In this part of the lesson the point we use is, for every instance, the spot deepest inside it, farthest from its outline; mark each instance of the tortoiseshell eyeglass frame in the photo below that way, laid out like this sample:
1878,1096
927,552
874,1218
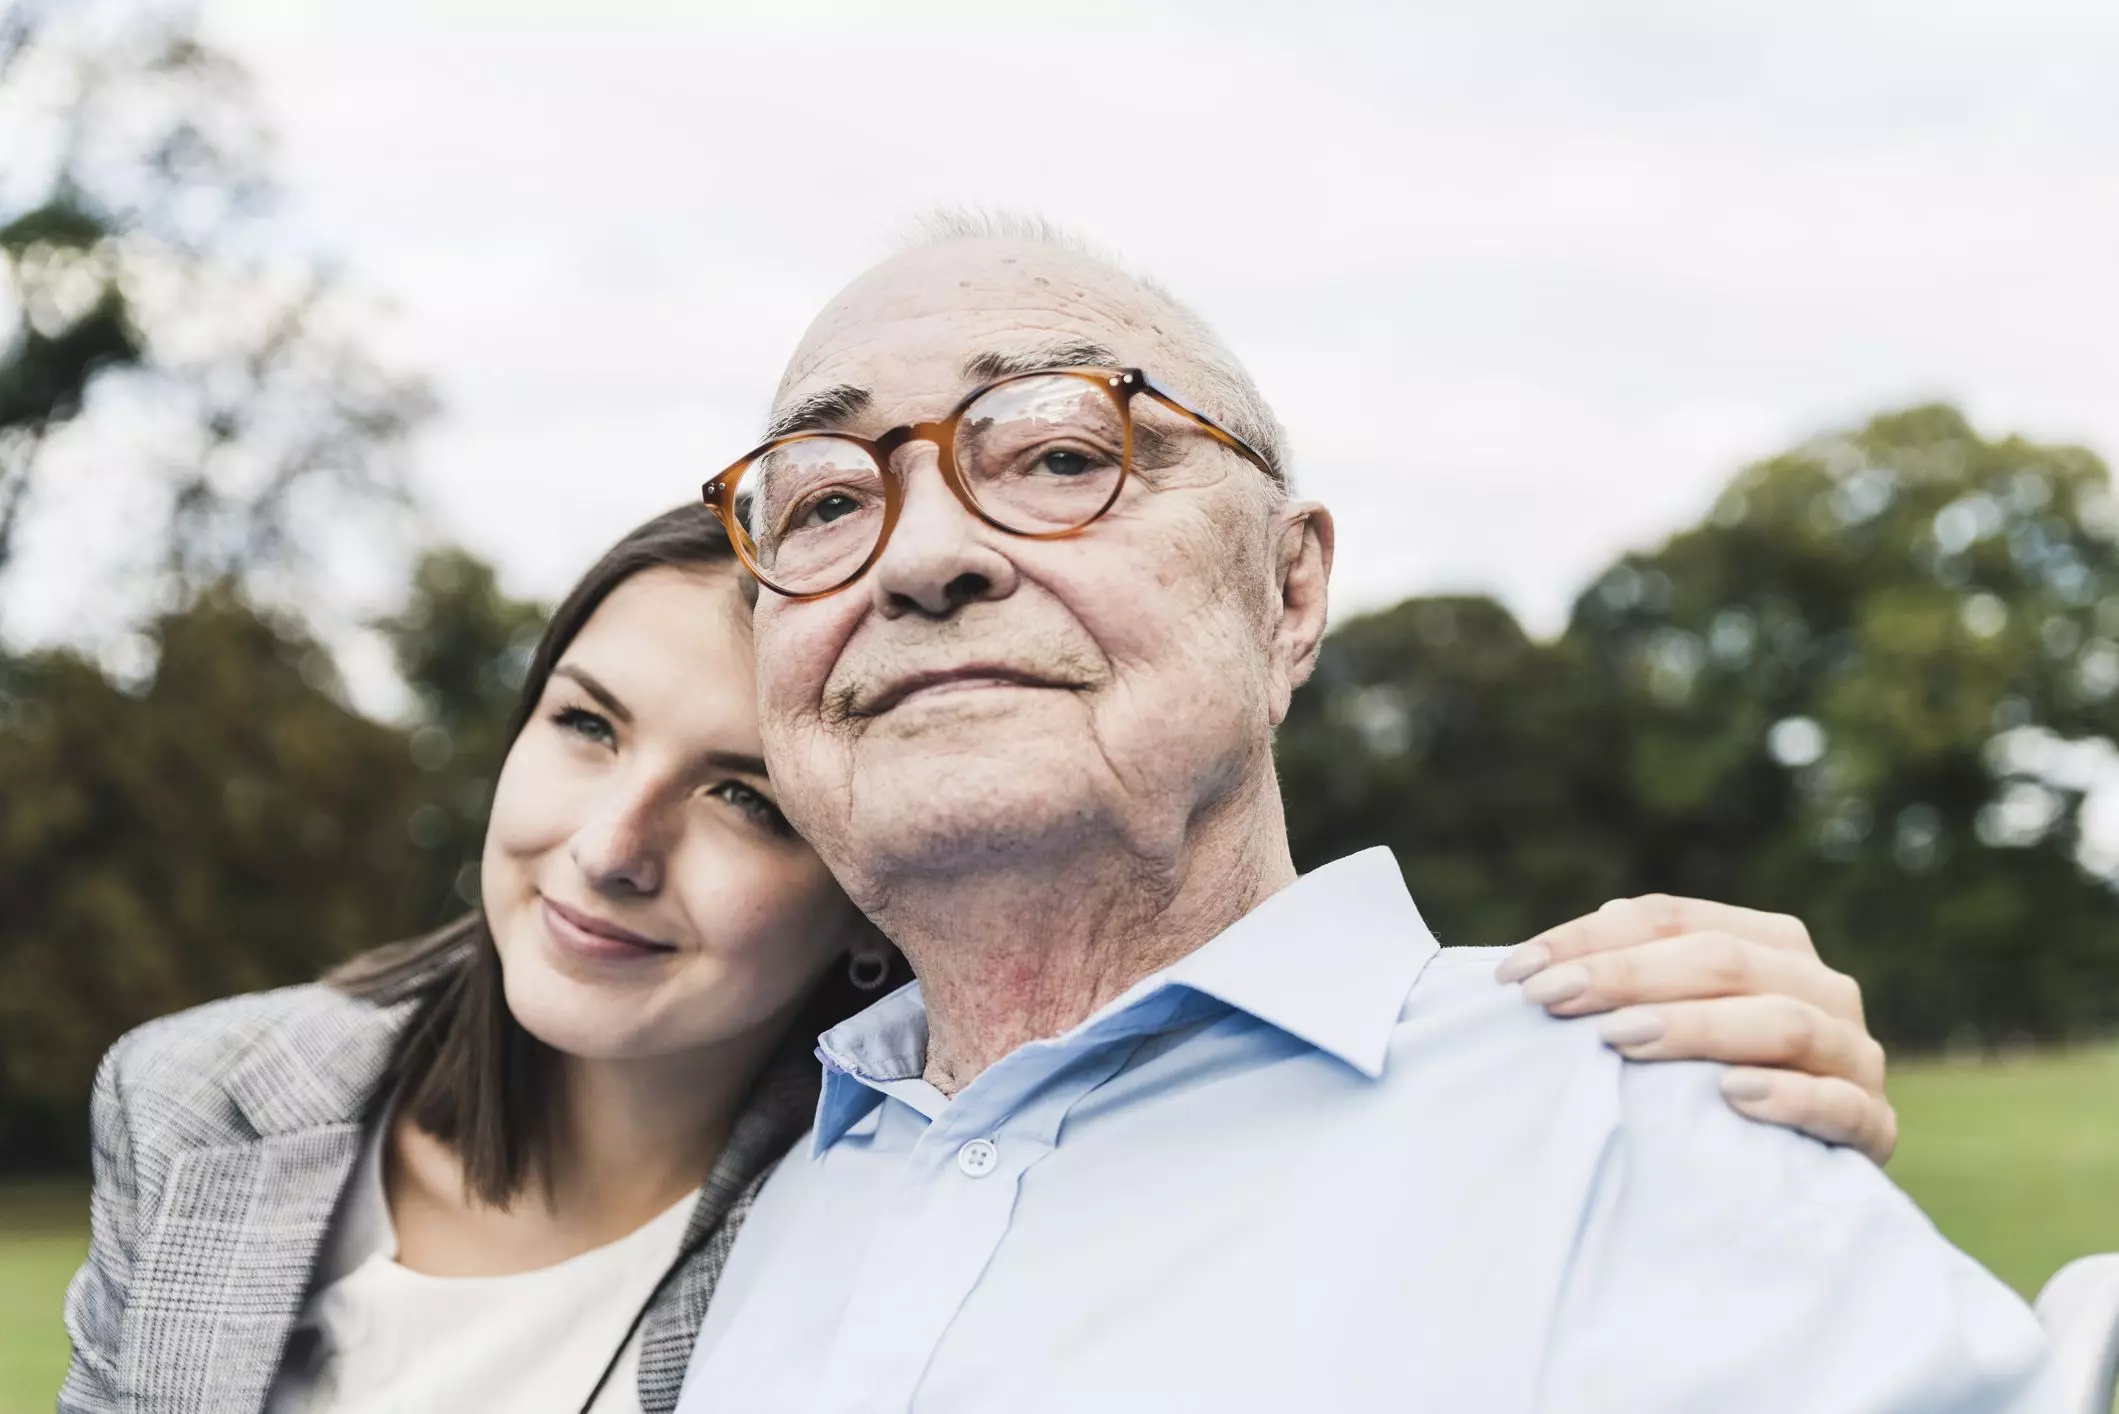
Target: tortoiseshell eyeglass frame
1122,385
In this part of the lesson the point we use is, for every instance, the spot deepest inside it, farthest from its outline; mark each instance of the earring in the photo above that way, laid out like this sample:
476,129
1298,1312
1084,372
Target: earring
867,970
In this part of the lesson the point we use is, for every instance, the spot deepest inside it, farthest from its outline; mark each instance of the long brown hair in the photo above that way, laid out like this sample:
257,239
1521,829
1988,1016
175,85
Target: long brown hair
465,1069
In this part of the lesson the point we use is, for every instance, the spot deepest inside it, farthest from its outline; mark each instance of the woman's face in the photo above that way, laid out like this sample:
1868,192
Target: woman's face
644,891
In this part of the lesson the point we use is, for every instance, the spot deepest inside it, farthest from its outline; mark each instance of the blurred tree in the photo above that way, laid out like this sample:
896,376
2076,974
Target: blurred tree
1874,689
207,815
1440,729
464,648
227,824
228,827
151,335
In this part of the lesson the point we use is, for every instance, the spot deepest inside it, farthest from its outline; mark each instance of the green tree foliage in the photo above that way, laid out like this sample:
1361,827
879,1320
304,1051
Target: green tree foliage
1872,689
463,647
1441,729
228,824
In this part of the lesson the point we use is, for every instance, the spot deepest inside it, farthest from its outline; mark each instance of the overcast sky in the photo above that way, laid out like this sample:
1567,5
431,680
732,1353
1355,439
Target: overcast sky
1526,283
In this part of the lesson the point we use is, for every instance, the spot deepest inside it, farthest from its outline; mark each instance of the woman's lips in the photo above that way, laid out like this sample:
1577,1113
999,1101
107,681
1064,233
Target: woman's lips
597,939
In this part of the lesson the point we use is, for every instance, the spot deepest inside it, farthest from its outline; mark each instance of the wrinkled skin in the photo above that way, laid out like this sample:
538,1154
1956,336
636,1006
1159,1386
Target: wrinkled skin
1136,671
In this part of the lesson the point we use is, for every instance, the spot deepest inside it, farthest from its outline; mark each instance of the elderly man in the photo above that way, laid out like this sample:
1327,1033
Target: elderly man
1164,1127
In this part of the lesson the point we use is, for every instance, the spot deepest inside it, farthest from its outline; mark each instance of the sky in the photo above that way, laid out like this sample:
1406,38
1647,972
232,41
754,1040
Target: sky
1527,283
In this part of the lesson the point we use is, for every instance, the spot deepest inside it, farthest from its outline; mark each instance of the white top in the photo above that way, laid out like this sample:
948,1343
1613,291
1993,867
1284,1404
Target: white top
1320,1164
376,1336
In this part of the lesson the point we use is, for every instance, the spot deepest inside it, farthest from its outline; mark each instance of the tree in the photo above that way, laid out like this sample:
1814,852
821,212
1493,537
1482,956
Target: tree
1853,690
230,827
229,824
464,648
1440,729
152,334
1874,688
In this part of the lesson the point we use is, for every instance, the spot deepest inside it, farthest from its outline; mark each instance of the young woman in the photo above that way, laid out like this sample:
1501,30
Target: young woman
500,1167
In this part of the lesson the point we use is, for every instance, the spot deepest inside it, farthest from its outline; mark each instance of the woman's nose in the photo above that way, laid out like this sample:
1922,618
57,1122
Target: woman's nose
624,849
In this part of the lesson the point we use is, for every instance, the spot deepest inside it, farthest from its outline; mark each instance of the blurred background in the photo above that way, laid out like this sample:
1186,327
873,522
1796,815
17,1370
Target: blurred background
1715,402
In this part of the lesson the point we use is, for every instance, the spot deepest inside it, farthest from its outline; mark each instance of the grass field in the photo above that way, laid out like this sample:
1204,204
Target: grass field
2017,1161
43,1236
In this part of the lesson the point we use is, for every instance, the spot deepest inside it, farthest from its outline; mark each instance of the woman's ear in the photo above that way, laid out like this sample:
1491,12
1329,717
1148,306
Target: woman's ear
869,956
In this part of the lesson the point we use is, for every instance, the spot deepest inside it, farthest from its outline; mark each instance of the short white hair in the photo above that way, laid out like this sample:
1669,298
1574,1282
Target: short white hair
1223,386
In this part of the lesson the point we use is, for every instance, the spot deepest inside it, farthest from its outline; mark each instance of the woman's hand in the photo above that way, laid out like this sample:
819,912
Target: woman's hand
1684,979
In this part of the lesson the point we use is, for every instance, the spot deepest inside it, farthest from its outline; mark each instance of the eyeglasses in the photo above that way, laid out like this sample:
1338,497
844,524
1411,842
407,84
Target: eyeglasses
1040,455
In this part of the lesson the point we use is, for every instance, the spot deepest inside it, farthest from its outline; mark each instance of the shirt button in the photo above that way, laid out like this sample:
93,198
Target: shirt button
977,1159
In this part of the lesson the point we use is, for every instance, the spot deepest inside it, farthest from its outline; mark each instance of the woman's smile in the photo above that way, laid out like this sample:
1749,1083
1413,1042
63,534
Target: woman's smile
594,939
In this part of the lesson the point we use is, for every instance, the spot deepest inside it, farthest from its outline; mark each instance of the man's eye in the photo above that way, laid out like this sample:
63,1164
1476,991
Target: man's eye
833,507
590,726
1064,463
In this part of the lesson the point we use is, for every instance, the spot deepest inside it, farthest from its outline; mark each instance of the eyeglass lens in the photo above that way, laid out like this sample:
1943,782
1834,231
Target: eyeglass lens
1038,455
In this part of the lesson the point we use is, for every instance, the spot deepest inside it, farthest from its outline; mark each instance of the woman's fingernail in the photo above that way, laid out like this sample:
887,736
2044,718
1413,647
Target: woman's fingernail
1557,984
1635,1026
1521,961
1746,1085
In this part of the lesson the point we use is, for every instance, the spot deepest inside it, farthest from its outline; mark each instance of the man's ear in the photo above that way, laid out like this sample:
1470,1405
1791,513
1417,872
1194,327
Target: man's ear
1303,569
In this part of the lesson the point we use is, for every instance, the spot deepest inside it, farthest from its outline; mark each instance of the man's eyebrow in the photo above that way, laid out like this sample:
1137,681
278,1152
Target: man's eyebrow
1067,353
819,411
605,698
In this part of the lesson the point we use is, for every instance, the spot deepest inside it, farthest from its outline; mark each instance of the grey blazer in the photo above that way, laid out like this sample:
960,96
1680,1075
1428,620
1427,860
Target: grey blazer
224,1137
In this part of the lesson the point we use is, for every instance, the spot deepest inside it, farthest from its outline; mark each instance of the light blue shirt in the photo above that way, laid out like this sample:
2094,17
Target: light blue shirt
1321,1164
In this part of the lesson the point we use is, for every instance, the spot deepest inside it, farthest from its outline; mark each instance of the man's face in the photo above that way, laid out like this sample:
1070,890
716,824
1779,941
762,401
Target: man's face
980,694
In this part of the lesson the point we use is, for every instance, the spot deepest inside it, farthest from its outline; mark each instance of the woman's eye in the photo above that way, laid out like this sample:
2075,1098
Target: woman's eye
590,726
753,803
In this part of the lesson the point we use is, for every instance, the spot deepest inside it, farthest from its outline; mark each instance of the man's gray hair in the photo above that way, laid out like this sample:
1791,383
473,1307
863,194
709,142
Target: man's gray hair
1220,382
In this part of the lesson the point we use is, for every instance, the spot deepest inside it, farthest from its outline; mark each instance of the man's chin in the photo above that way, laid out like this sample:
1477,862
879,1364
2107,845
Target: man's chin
947,809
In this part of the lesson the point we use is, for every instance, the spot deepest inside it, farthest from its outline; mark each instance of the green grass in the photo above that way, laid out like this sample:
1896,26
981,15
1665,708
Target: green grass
43,1237
2017,1161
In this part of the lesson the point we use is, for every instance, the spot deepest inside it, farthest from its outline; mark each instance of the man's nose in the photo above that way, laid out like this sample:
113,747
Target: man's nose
940,556
623,849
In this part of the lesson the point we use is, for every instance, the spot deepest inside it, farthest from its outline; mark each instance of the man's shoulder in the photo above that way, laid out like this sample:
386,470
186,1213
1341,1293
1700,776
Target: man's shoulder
1457,1007
1668,1121
1501,1084
1681,1139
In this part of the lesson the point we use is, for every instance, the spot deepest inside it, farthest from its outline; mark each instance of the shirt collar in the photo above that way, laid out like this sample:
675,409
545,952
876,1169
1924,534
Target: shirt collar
883,1045
1329,960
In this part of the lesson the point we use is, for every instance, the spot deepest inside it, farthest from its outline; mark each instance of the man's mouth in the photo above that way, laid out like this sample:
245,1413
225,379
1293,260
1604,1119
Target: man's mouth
969,677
